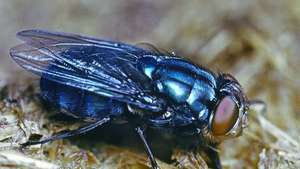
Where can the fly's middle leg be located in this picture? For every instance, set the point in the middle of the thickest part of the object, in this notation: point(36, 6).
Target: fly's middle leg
point(140, 132)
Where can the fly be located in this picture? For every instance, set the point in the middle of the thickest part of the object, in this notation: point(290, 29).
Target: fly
point(101, 81)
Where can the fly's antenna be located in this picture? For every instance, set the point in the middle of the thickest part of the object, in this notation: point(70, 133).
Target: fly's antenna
point(258, 105)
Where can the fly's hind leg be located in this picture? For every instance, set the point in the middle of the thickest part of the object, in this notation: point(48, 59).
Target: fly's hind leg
point(65, 134)
point(140, 132)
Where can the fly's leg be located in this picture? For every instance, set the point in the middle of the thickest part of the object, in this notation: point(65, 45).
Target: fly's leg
point(213, 155)
point(140, 131)
point(65, 134)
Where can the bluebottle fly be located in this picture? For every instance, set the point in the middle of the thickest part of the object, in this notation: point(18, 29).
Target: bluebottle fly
point(102, 81)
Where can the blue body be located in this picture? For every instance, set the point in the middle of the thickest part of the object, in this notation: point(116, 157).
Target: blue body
point(93, 78)
point(187, 89)
point(104, 80)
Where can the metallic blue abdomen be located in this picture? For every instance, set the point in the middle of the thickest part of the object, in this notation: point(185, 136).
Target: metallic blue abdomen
point(78, 102)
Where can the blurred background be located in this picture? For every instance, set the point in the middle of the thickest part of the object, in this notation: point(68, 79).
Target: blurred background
point(255, 40)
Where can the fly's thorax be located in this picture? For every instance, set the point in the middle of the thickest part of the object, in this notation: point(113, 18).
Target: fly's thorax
point(182, 83)
point(179, 80)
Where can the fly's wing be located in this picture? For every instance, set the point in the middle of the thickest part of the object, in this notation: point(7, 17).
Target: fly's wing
point(103, 67)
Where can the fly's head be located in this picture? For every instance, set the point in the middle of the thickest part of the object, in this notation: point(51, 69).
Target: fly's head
point(229, 115)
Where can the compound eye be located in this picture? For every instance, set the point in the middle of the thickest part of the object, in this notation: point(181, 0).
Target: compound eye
point(225, 116)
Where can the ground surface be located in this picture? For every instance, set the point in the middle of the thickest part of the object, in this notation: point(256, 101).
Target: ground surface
point(256, 41)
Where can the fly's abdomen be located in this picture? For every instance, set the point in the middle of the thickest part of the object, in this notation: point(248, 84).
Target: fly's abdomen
point(78, 102)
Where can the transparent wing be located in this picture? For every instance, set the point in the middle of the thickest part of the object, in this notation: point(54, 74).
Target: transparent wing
point(104, 67)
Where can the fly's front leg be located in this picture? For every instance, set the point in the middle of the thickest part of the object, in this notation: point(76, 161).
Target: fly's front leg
point(213, 155)
point(140, 132)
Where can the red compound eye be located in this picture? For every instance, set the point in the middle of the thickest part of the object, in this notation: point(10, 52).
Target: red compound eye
point(225, 116)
